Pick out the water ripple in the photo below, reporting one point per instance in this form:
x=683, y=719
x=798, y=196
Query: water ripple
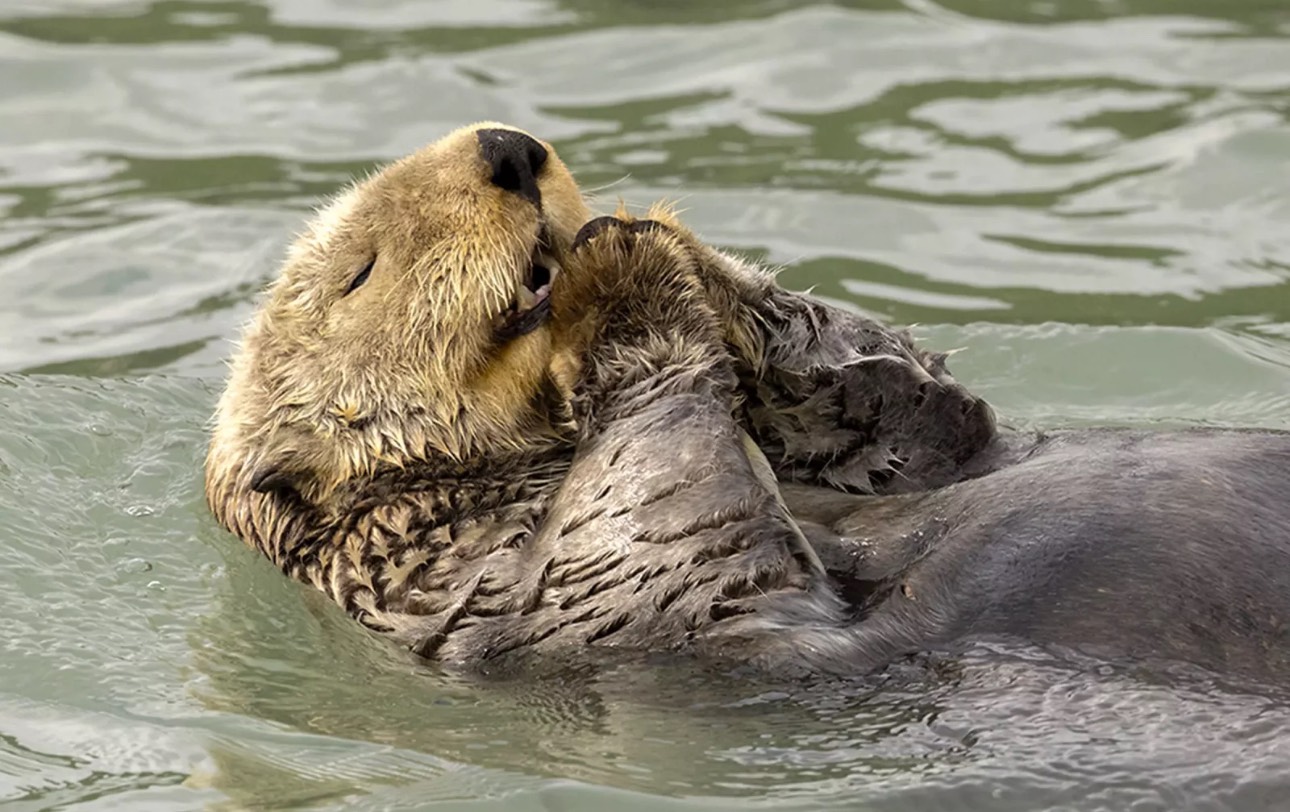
x=1086, y=197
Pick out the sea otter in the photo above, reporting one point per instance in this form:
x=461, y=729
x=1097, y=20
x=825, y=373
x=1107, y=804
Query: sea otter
x=488, y=424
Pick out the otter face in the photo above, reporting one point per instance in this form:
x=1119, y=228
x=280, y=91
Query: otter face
x=409, y=321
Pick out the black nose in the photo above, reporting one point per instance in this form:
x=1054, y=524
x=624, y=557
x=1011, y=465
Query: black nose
x=516, y=160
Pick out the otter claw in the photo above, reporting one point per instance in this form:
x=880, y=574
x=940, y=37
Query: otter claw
x=645, y=226
x=593, y=229
x=600, y=225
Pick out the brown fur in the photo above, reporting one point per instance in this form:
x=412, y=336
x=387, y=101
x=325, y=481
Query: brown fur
x=328, y=388
x=585, y=483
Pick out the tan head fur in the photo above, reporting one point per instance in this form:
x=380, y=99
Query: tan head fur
x=378, y=345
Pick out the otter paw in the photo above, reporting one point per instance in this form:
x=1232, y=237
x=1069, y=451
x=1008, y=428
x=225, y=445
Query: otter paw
x=733, y=289
x=640, y=267
x=631, y=280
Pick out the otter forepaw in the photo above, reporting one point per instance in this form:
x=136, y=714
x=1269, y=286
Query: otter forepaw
x=643, y=323
x=638, y=273
x=641, y=309
x=732, y=288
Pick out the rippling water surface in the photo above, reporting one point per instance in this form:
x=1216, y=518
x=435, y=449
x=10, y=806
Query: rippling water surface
x=1090, y=197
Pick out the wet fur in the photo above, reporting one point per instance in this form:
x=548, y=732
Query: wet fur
x=449, y=488
x=536, y=549
x=688, y=458
x=1161, y=546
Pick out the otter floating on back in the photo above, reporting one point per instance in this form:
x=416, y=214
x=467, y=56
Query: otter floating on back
x=486, y=423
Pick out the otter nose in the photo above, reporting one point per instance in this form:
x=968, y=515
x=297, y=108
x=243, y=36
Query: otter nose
x=516, y=160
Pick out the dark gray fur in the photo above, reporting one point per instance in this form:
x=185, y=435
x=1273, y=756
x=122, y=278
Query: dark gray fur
x=827, y=508
x=1145, y=544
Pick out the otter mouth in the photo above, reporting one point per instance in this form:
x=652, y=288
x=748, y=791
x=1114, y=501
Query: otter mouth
x=532, y=304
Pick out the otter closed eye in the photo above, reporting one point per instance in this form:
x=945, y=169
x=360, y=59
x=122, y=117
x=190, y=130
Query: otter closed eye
x=362, y=277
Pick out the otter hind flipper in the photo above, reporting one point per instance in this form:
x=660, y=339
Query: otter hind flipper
x=843, y=401
x=834, y=398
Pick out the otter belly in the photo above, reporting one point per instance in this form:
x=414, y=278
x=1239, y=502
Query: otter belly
x=1151, y=545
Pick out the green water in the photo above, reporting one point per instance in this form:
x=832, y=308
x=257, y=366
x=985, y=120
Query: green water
x=1089, y=197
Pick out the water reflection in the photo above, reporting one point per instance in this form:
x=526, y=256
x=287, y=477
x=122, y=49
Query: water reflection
x=662, y=727
x=935, y=728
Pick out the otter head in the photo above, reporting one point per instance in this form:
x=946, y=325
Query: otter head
x=409, y=323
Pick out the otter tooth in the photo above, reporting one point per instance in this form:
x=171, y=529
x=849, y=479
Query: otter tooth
x=525, y=298
x=547, y=261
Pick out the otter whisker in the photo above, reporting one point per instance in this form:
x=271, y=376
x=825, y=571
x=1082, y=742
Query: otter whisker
x=591, y=194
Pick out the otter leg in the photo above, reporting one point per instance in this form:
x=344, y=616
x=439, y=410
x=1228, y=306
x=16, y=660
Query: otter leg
x=667, y=531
